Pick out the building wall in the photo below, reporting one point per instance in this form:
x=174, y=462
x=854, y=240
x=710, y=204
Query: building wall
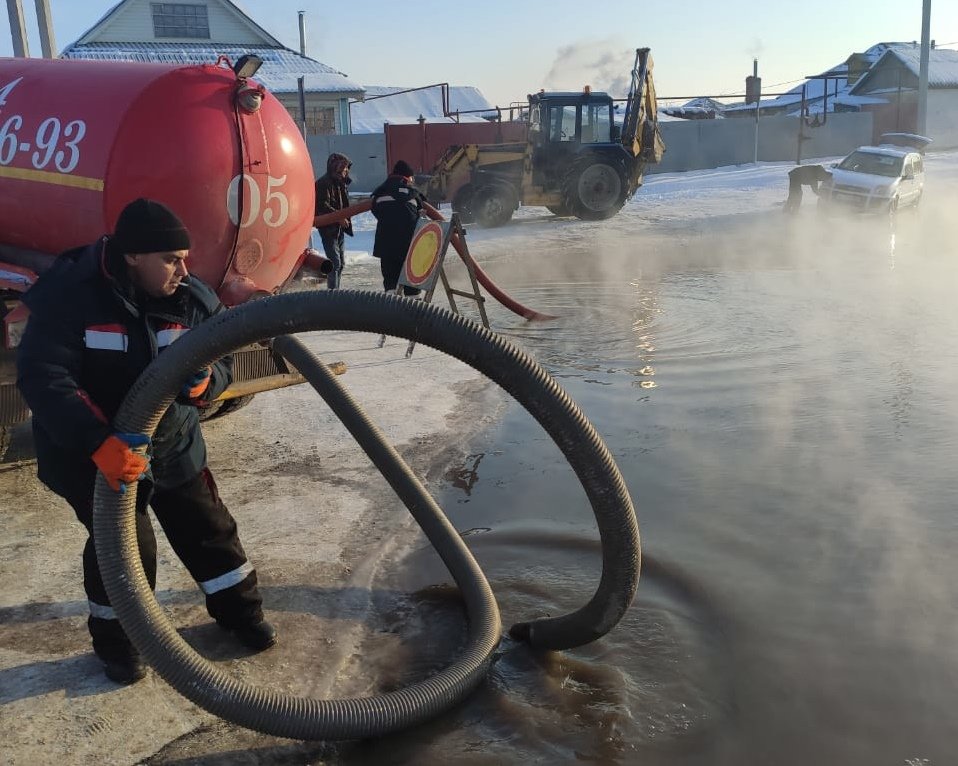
x=134, y=23
x=888, y=76
x=324, y=112
x=699, y=144
x=941, y=120
x=366, y=150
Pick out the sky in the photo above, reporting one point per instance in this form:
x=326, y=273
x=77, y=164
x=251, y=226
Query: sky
x=510, y=49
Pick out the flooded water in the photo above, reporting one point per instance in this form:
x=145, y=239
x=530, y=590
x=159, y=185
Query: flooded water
x=782, y=399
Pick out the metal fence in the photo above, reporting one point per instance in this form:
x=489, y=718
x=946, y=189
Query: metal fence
x=690, y=144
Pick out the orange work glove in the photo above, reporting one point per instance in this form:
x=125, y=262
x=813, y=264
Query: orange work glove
x=118, y=463
x=196, y=386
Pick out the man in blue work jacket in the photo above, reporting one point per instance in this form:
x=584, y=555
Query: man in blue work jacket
x=98, y=317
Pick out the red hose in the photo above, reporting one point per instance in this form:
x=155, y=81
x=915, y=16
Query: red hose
x=494, y=290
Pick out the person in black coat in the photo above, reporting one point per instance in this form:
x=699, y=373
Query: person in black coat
x=332, y=194
x=397, y=205
x=803, y=175
x=98, y=317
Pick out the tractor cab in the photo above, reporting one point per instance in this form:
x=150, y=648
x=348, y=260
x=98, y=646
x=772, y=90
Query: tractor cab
x=561, y=125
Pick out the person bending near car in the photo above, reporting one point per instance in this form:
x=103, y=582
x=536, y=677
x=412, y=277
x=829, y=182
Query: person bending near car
x=98, y=317
x=803, y=175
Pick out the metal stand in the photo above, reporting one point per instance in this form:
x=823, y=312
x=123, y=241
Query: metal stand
x=455, y=230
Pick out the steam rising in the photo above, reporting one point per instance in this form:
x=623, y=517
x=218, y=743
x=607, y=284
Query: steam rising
x=602, y=64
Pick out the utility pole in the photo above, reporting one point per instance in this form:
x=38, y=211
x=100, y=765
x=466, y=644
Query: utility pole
x=18, y=29
x=758, y=104
x=45, y=21
x=923, y=66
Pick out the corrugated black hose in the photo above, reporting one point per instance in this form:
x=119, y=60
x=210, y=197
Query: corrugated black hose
x=304, y=718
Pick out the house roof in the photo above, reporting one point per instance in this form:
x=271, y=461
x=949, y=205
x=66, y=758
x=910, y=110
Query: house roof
x=280, y=71
x=815, y=88
x=91, y=33
x=942, y=67
x=407, y=105
x=282, y=67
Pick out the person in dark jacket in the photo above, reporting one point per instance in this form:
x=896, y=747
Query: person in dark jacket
x=803, y=175
x=332, y=195
x=98, y=317
x=397, y=205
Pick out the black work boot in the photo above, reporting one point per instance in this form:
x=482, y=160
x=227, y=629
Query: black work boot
x=124, y=670
x=256, y=635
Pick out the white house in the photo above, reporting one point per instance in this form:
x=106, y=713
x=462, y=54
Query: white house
x=199, y=31
x=889, y=89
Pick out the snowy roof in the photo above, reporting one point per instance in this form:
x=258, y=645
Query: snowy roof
x=815, y=87
x=407, y=106
x=850, y=100
x=942, y=66
x=706, y=103
x=279, y=73
x=91, y=34
x=815, y=90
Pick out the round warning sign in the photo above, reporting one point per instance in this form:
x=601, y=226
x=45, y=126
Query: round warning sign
x=423, y=254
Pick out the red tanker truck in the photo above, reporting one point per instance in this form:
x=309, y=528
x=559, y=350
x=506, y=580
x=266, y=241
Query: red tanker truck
x=80, y=139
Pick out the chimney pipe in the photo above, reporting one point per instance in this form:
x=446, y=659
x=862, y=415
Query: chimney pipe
x=302, y=32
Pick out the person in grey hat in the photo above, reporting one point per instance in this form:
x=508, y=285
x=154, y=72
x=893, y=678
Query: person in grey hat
x=98, y=317
x=332, y=194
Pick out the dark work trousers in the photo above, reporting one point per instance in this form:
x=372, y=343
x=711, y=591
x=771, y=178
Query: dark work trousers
x=392, y=269
x=203, y=534
x=335, y=247
x=794, y=201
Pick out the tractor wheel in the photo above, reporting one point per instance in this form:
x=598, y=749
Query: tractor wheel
x=595, y=187
x=559, y=210
x=493, y=204
x=462, y=203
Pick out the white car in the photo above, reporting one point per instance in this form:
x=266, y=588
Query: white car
x=875, y=179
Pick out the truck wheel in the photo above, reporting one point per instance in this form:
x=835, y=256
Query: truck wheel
x=493, y=205
x=231, y=405
x=595, y=188
x=462, y=203
x=219, y=409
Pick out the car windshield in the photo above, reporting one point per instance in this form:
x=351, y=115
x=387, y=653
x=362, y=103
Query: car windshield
x=873, y=163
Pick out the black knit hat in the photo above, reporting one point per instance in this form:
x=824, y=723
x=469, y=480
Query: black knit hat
x=403, y=168
x=146, y=226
